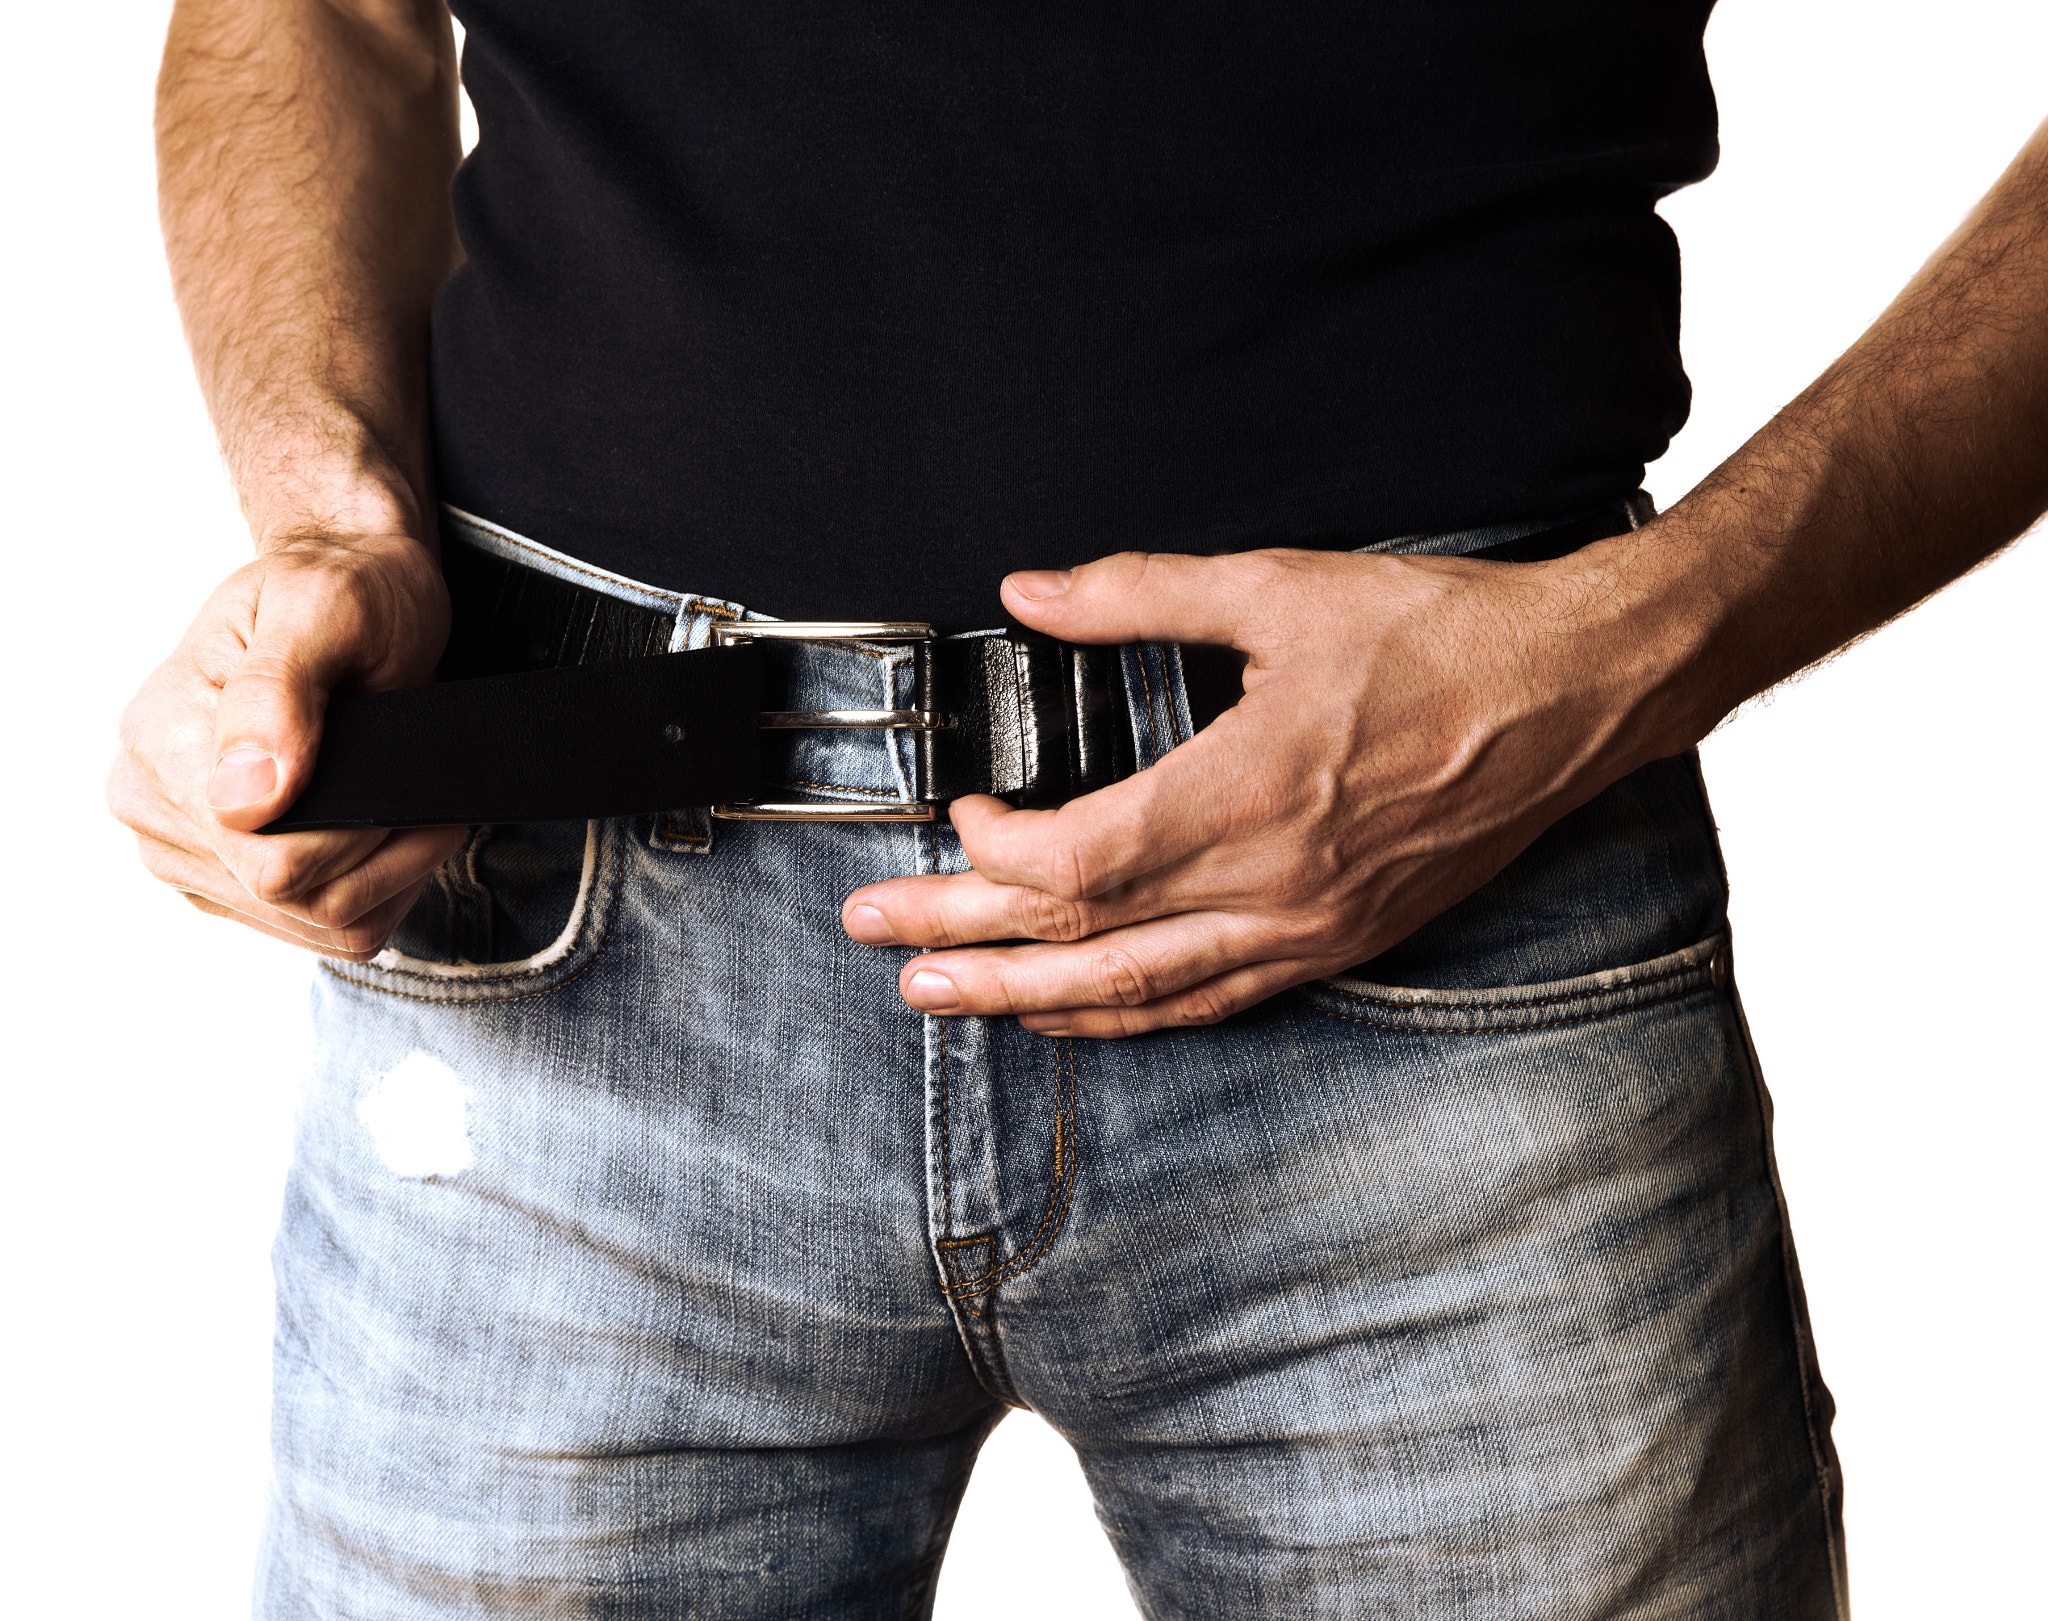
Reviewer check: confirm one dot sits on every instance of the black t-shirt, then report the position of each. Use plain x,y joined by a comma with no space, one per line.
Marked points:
846,309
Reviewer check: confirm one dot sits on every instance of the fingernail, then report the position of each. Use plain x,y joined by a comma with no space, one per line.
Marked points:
1041,582
241,777
867,925
933,992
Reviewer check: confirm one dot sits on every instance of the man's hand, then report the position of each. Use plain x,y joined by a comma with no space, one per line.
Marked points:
304,152
223,735
1409,725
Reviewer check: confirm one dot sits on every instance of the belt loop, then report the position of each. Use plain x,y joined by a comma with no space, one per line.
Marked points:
1158,699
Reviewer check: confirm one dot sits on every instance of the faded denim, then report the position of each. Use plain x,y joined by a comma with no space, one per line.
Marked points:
644,1255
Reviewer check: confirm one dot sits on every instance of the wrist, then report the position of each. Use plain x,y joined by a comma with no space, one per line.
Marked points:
322,467
311,497
1649,624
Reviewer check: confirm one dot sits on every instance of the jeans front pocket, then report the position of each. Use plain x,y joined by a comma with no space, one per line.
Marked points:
1578,1000
520,909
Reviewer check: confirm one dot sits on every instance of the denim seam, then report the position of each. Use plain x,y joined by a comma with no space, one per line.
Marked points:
508,538
950,1267
970,1285
1173,708
945,1144
667,837
984,1370
1629,1006
921,1593
1033,1250
596,951
1796,1309
1530,1002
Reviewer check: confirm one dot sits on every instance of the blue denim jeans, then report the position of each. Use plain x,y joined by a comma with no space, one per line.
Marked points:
645,1256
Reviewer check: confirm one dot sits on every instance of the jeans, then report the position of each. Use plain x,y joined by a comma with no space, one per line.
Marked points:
645,1256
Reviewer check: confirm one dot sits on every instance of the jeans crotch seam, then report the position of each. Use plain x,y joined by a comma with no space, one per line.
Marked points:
1008,1390
991,1373
949,1263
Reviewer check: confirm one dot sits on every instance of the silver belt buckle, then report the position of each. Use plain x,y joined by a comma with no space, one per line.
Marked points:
729,632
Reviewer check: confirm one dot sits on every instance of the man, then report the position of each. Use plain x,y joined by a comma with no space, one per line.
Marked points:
645,1253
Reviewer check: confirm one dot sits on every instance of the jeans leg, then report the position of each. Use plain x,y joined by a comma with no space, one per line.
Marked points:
605,1283
1361,1316
1459,1286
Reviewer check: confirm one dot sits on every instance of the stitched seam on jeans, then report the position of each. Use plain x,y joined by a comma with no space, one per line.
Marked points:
569,562
668,834
1529,1002
945,1138
948,1273
922,1590
1173,709
1487,1029
1061,1201
529,967
1795,1302
596,951
950,1277
993,1275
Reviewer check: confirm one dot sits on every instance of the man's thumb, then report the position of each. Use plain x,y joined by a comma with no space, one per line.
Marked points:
266,734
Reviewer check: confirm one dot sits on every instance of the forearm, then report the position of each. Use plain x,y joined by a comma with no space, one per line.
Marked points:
304,155
1911,459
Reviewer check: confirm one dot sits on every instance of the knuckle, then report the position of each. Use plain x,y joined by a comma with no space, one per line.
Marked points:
1202,1005
267,674
278,875
941,928
1048,916
916,920
1122,980
1066,873
331,911
1257,571
1115,565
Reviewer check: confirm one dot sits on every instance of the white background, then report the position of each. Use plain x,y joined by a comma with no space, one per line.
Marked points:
1882,821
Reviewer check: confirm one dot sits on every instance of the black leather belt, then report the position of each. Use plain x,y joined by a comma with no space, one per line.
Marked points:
555,701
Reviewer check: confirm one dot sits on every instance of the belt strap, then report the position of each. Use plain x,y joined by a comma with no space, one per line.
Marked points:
555,702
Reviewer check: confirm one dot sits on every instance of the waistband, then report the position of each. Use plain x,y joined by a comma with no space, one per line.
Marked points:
568,691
